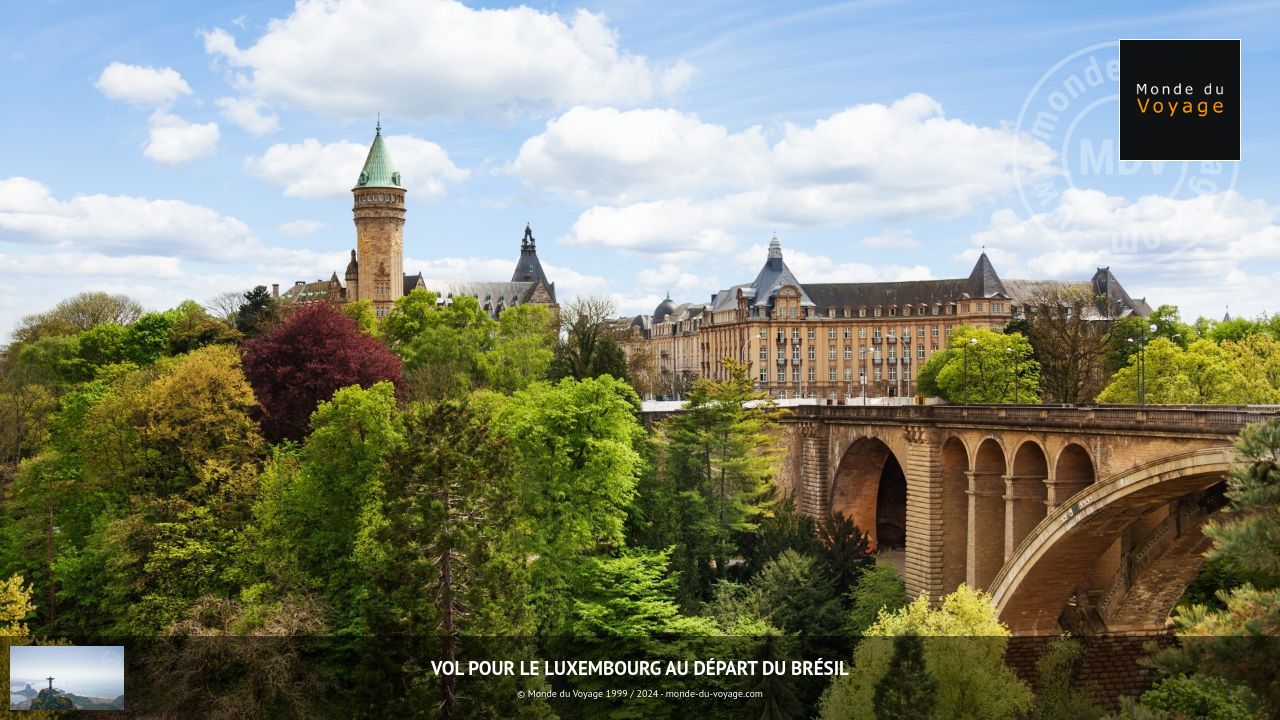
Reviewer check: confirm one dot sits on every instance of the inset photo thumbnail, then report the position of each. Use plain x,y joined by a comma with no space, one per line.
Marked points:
66,677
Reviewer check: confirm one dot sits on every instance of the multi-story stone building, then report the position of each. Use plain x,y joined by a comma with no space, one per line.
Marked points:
376,271
836,340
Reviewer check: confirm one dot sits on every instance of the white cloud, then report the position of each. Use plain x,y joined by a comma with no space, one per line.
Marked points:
892,240
300,227
672,230
347,58
248,114
118,224
1187,251
665,179
619,157
174,141
97,264
674,279
313,170
142,85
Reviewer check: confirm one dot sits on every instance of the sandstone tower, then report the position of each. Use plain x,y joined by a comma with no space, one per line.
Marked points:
376,270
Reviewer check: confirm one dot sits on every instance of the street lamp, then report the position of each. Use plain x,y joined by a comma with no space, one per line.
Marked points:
1013,375
972,342
1142,362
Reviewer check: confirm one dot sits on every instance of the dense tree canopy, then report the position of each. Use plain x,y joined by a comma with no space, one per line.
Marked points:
300,363
982,366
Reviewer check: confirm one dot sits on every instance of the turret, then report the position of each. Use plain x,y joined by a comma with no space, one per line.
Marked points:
379,216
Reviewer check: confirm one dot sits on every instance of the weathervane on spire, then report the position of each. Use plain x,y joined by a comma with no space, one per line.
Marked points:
378,127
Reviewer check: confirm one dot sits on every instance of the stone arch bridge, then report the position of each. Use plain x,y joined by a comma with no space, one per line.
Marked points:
1086,519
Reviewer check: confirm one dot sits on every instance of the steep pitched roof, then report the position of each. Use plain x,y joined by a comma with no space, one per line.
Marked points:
983,281
528,268
774,275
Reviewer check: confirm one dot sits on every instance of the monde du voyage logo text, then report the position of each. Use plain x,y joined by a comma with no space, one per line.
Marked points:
1180,100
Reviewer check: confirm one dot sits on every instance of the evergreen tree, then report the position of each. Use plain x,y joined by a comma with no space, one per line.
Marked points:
907,689
257,312
720,459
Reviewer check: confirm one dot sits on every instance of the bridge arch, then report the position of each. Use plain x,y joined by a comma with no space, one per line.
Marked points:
1027,493
870,488
986,512
955,512
1073,470
1033,587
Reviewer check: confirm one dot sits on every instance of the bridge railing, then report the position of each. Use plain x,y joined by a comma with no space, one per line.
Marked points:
1210,418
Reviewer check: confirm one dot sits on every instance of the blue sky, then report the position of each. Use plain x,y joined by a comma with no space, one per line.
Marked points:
170,150
90,670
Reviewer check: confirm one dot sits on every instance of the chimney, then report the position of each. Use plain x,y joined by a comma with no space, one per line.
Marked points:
275,289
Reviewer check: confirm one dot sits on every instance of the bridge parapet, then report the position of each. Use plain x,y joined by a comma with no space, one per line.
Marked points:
1206,418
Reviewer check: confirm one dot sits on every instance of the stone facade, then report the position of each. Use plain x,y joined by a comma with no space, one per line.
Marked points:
834,340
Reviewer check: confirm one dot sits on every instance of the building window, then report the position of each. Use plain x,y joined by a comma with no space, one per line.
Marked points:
875,334
831,375
795,353
948,332
848,333
934,348
979,307
920,351
848,353
764,353
893,311
862,333
862,312
906,310
997,307
813,352
812,375
920,331
933,331
831,312
862,353
848,373
831,353
764,375
862,376
877,312
782,376
764,334
795,375
831,333
811,333
893,374
878,375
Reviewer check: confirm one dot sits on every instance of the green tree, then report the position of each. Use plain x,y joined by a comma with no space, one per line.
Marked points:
720,458
361,311
15,606
1255,366
257,311
193,327
590,347
445,547
78,313
101,345
964,647
843,550
311,513
1196,698
907,689
796,595
878,589
442,345
1055,698
630,595
575,476
147,338
1237,643
1166,377
522,349
982,366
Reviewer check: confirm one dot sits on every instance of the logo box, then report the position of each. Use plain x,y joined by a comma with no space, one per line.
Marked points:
1180,100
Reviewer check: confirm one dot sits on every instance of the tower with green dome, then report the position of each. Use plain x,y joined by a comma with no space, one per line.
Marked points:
376,271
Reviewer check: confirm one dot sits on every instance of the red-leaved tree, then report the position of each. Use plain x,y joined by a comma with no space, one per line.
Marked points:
301,362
